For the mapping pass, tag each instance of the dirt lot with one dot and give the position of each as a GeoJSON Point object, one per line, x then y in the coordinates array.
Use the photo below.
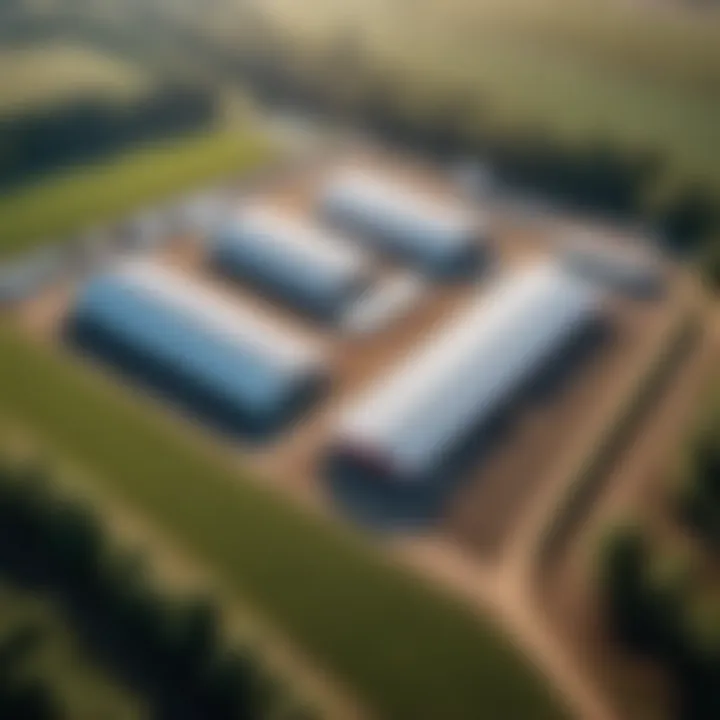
{"type": "Point", "coordinates": [493, 487]}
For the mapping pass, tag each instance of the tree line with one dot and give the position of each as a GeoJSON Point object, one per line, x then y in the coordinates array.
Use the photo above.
{"type": "Point", "coordinates": [21, 697]}
{"type": "Point", "coordinates": [79, 130]}
{"type": "Point", "coordinates": [345, 81]}
{"type": "Point", "coordinates": [660, 604]}
{"type": "Point", "coordinates": [170, 649]}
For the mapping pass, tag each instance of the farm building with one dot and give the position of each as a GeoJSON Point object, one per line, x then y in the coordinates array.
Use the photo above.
{"type": "Point", "coordinates": [226, 361]}
{"type": "Point", "coordinates": [291, 260]}
{"type": "Point", "coordinates": [440, 238]}
{"type": "Point", "coordinates": [632, 270]}
{"type": "Point", "coordinates": [404, 427]}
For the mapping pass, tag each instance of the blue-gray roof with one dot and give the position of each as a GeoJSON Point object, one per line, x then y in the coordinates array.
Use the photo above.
{"type": "Point", "coordinates": [422, 227]}
{"type": "Point", "coordinates": [207, 339]}
{"type": "Point", "coordinates": [290, 258]}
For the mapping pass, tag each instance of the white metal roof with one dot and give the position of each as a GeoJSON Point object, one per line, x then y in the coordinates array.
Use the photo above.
{"type": "Point", "coordinates": [465, 370]}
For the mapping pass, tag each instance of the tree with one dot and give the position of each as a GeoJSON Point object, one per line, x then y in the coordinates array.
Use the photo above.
{"type": "Point", "coordinates": [699, 496]}
{"type": "Point", "coordinates": [699, 671]}
{"type": "Point", "coordinates": [21, 698]}
{"type": "Point", "coordinates": [623, 566]}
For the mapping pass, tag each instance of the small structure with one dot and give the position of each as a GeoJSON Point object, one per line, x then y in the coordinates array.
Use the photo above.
{"type": "Point", "coordinates": [223, 360]}
{"type": "Point", "coordinates": [404, 427]}
{"type": "Point", "coordinates": [22, 278]}
{"type": "Point", "coordinates": [201, 214]}
{"type": "Point", "coordinates": [440, 238]}
{"type": "Point", "coordinates": [382, 304]}
{"type": "Point", "coordinates": [292, 260]}
{"type": "Point", "coordinates": [630, 269]}
{"type": "Point", "coordinates": [146, 230]}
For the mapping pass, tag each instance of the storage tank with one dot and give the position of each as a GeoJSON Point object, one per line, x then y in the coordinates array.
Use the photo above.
{"type": "Point", "coordinates": [222, 359]}
{"type": "Point", "coordinates": [405, 425]}
{"type": "Point", "coordinates": [292, 260]}
{"type": "Point", "coordinates": [441, 238]}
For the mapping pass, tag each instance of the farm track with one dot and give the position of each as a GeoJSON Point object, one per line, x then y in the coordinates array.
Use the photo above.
{"type": "Point", "coordinates": [566, 596]}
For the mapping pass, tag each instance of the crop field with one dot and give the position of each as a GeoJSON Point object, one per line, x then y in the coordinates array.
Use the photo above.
{"type": "Point", "coordinates": [240, 506]}
{"type": "Point", "coordinates": [82, 690]}
{"type": "Point", "coordinates": [39, 76]}
{"type": "Point", "coordinates": [577, 70]}
{"type": "Point", "coordinates": [77, 199]}
{"type": "Point", "coordinates": [406, 649]}
{"type": "Point", "coordinates": [328, 591]}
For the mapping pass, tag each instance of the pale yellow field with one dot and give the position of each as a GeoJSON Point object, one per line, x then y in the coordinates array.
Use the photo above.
{"type": "Point", "coordinates": [39, 76]}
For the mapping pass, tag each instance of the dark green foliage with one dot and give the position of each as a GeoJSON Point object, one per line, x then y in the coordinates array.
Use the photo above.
{"type": "Point", "coordinates": [652, 600]}
{"type": "Point", "coordinates": [22, 698]}
{"type": "Point", "coordinates": [171, 649]}
{"type": "Point", "coordinates": [649, 611]}
{"type": "Point", "coordinates": [710, 263]}
{"type": "Point", "coordinates": [699, 498]}
{"type": "Point", "coordinates": [627, 592]}
{"type": "Point", "coordinates": [699, 673]}
{"type": "Point", "coordinates": [73, 133]}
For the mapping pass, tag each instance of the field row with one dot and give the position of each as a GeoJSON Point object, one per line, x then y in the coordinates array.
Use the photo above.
{"type": "Point", "coordinates": [406, 649]}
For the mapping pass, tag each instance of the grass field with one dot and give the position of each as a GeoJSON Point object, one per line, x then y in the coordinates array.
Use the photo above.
{"type": "Point", "coordinates": [82, 690]}
{"type": "Point", "coordinates": [38, 76]}
{"type": "Point", "coordinates": [575, 68]}
{"type": "Point", "coordinates": [405, 649]}
{"type": "Point", "coordinates": [76, 199]}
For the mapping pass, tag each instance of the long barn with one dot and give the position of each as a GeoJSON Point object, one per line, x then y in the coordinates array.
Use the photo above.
{"type": "Point", "coordinates": [292, 260]}
{"type": "Point", "coordinates": [440, 238]}
{"type": "Point", "coordinates": [404, 426]}
{"type": "Point", "coordinates": [245, 369]}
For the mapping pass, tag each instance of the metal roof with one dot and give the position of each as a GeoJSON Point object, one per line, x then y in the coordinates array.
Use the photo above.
{"type": "Point", "coordinates": [229, 349]}
{"type": "Point", "coordinates": [464, 371]}
{"type": "Point", "coordinates": [291, 257]}
{"type": "Point", "coordinates": [406, 219]}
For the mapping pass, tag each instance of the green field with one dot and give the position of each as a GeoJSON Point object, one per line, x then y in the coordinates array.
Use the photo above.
{"type": "Point", "coordinates": [577, 69]}
{"type": "Point", "coordinates": [74, 200]}
{"type": "Point", "coordinates": [404, 648]}
{"type": "Point", "coordinates": [82, 690]}
{"type": "Point", "coordinates": [34, 76]}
